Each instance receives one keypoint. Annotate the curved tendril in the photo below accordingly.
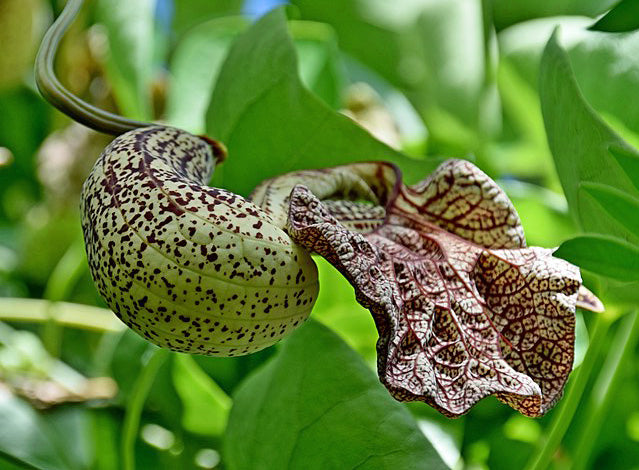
(54, 92)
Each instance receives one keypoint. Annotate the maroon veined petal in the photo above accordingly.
(464, 201)
(463, 309)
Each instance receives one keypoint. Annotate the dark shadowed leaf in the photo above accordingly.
(270, 123)
(507, 12)
(623, 17)
(317, 405)
(604, 255)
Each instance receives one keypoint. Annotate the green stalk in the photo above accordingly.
(136, 404)
(59, 286)
(546, 447)
(607, 383)
(84, 317)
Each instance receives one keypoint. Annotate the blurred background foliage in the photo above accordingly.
(424, 80)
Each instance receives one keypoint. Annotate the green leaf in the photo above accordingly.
(508, 12)
(127, 364)
(623, 17)
(189, 13)
(377, 46)
(206, 406)
(418, 49)
(628, 158)
(539, 209)
(318, 55)
(337, 309)
(199, 56)
(603, 255)
(271, 124)
(458, 73)
(24, 436)
(195, 65)
(317, 405)
(130, 31)
(621, 206)
(595, 57)
(579, 141)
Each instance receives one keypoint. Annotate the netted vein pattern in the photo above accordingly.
(463, 308)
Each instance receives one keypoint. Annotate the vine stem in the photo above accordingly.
(56, 94)
(623, 348)
(136, 404)
(546, 447)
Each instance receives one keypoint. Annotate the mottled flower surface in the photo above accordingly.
(463, 308)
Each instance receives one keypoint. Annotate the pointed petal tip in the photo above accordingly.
(588, 301)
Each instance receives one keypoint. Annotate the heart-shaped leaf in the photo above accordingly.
(258, 84)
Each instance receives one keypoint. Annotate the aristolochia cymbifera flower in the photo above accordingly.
(463, 308)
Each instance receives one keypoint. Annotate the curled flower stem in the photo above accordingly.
(623, 346)
(59, 96)
(547, 447)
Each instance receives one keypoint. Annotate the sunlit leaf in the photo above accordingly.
(198, 58)
(317, 405)
(195, 65)
(189, 13)
(377, 46)
(580, 141)
(417, 48)
(130, 31)
(595, 58)
(318, 60)
(206, 406)
(604, 255)
(270, 123)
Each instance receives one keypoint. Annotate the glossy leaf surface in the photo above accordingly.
(270, 122)
(320, 406)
